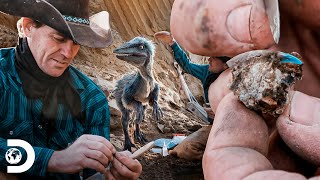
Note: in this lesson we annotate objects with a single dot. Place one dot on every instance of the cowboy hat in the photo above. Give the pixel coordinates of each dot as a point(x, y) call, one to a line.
point(70, 18)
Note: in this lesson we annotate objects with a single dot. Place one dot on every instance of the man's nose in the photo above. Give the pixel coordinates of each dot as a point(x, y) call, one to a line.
point(67, 48)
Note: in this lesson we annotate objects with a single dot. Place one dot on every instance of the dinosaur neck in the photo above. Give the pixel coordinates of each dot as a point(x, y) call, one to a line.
point(146, 71)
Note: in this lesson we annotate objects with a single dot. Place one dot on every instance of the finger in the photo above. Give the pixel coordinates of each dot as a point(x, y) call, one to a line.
point(219, 88)
point(125, 165)
point(109, 175)
point(237, 144)
point(299, 126)
point(161, 33)
point(119, 170)
point(158, 33)
point(233, 163)
point(126, 152)
point(97, 146)
point(98, 156)
point(304, 109)
point(93, 164)
point(275, 174)
point(101, 140)
point(235, 125)
point(115, 173)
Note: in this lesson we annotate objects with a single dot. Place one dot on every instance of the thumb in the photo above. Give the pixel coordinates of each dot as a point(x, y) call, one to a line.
point(299, 126)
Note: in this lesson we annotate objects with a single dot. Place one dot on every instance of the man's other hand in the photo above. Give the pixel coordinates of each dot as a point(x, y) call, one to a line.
point(88, 151)
point(164, 36)
point(124, 167)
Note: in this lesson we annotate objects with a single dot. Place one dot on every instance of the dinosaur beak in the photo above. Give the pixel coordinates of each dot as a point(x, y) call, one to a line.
point(288, 58)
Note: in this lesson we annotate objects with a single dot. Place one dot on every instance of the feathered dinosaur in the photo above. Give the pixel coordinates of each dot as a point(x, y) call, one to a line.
point(135, 90)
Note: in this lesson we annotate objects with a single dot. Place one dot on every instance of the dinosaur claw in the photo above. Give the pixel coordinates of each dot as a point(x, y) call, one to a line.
point(140, 137)
point(288, 58)
point(157, 113)
point(128, 145)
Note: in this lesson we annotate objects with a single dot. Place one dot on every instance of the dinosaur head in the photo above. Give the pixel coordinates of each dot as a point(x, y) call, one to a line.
point(139, 51)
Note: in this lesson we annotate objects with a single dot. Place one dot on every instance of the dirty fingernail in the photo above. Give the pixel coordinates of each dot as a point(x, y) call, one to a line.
point(238, 23)
point(118, 154)
point(113, 151)
point(305, 109)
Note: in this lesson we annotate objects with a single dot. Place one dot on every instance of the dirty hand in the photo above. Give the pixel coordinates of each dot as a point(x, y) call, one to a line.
point(239, 144)
point(164, 36)
point(193, 146)
point(124, 167)
point(212, 28)
point(215, 28)
point(299, 126)
point(209, 111)
point(88, 151)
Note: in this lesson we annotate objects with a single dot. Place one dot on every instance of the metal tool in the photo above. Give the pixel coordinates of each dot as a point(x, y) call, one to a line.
point(193, 106)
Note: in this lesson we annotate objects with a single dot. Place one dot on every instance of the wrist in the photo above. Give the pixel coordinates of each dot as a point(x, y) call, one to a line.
point(53, 164)
point(171, 42)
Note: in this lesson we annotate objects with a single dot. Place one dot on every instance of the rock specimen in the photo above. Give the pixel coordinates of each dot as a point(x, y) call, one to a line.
point(262, 78)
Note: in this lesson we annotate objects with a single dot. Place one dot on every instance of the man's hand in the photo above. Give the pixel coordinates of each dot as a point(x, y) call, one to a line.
point(213, 28)
point(88, 151)
point(209, 111)
point(192, 147)
point(299, 126)
point(239, 144)
point(124, 167)
point(164, 36)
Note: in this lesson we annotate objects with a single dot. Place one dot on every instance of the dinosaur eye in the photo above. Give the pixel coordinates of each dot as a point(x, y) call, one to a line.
point(141, 46)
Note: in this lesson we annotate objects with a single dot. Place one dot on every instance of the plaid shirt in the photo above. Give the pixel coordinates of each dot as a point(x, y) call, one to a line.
point(20, 117)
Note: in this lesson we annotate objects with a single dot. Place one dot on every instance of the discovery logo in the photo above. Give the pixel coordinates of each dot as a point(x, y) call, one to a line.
point(14, 156)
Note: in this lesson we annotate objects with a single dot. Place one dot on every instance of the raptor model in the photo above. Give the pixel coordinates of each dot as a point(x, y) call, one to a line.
point(135, 90)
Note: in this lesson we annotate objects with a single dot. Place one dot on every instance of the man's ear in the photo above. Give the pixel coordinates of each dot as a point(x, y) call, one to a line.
point(26, 26)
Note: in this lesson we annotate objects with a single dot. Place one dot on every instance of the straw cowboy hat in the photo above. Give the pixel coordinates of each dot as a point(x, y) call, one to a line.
point(69, 17)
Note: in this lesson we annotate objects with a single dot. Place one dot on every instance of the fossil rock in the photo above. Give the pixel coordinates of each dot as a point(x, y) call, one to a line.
point(261, 79)
point(8, 37)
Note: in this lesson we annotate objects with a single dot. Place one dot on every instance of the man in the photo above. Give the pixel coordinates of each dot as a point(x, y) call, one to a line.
point(50, 104)
point(239, 145)
point(193, 146)
point(206, 73)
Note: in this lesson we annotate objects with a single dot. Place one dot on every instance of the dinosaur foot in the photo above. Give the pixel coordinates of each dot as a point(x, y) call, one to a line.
point(140, 137)
point(128, 145)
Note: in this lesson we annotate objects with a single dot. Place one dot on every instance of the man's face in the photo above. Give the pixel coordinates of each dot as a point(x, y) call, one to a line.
point(52, 51)
point(216, 65)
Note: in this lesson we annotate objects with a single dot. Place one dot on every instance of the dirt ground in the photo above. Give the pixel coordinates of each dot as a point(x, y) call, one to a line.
point(155, 166)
